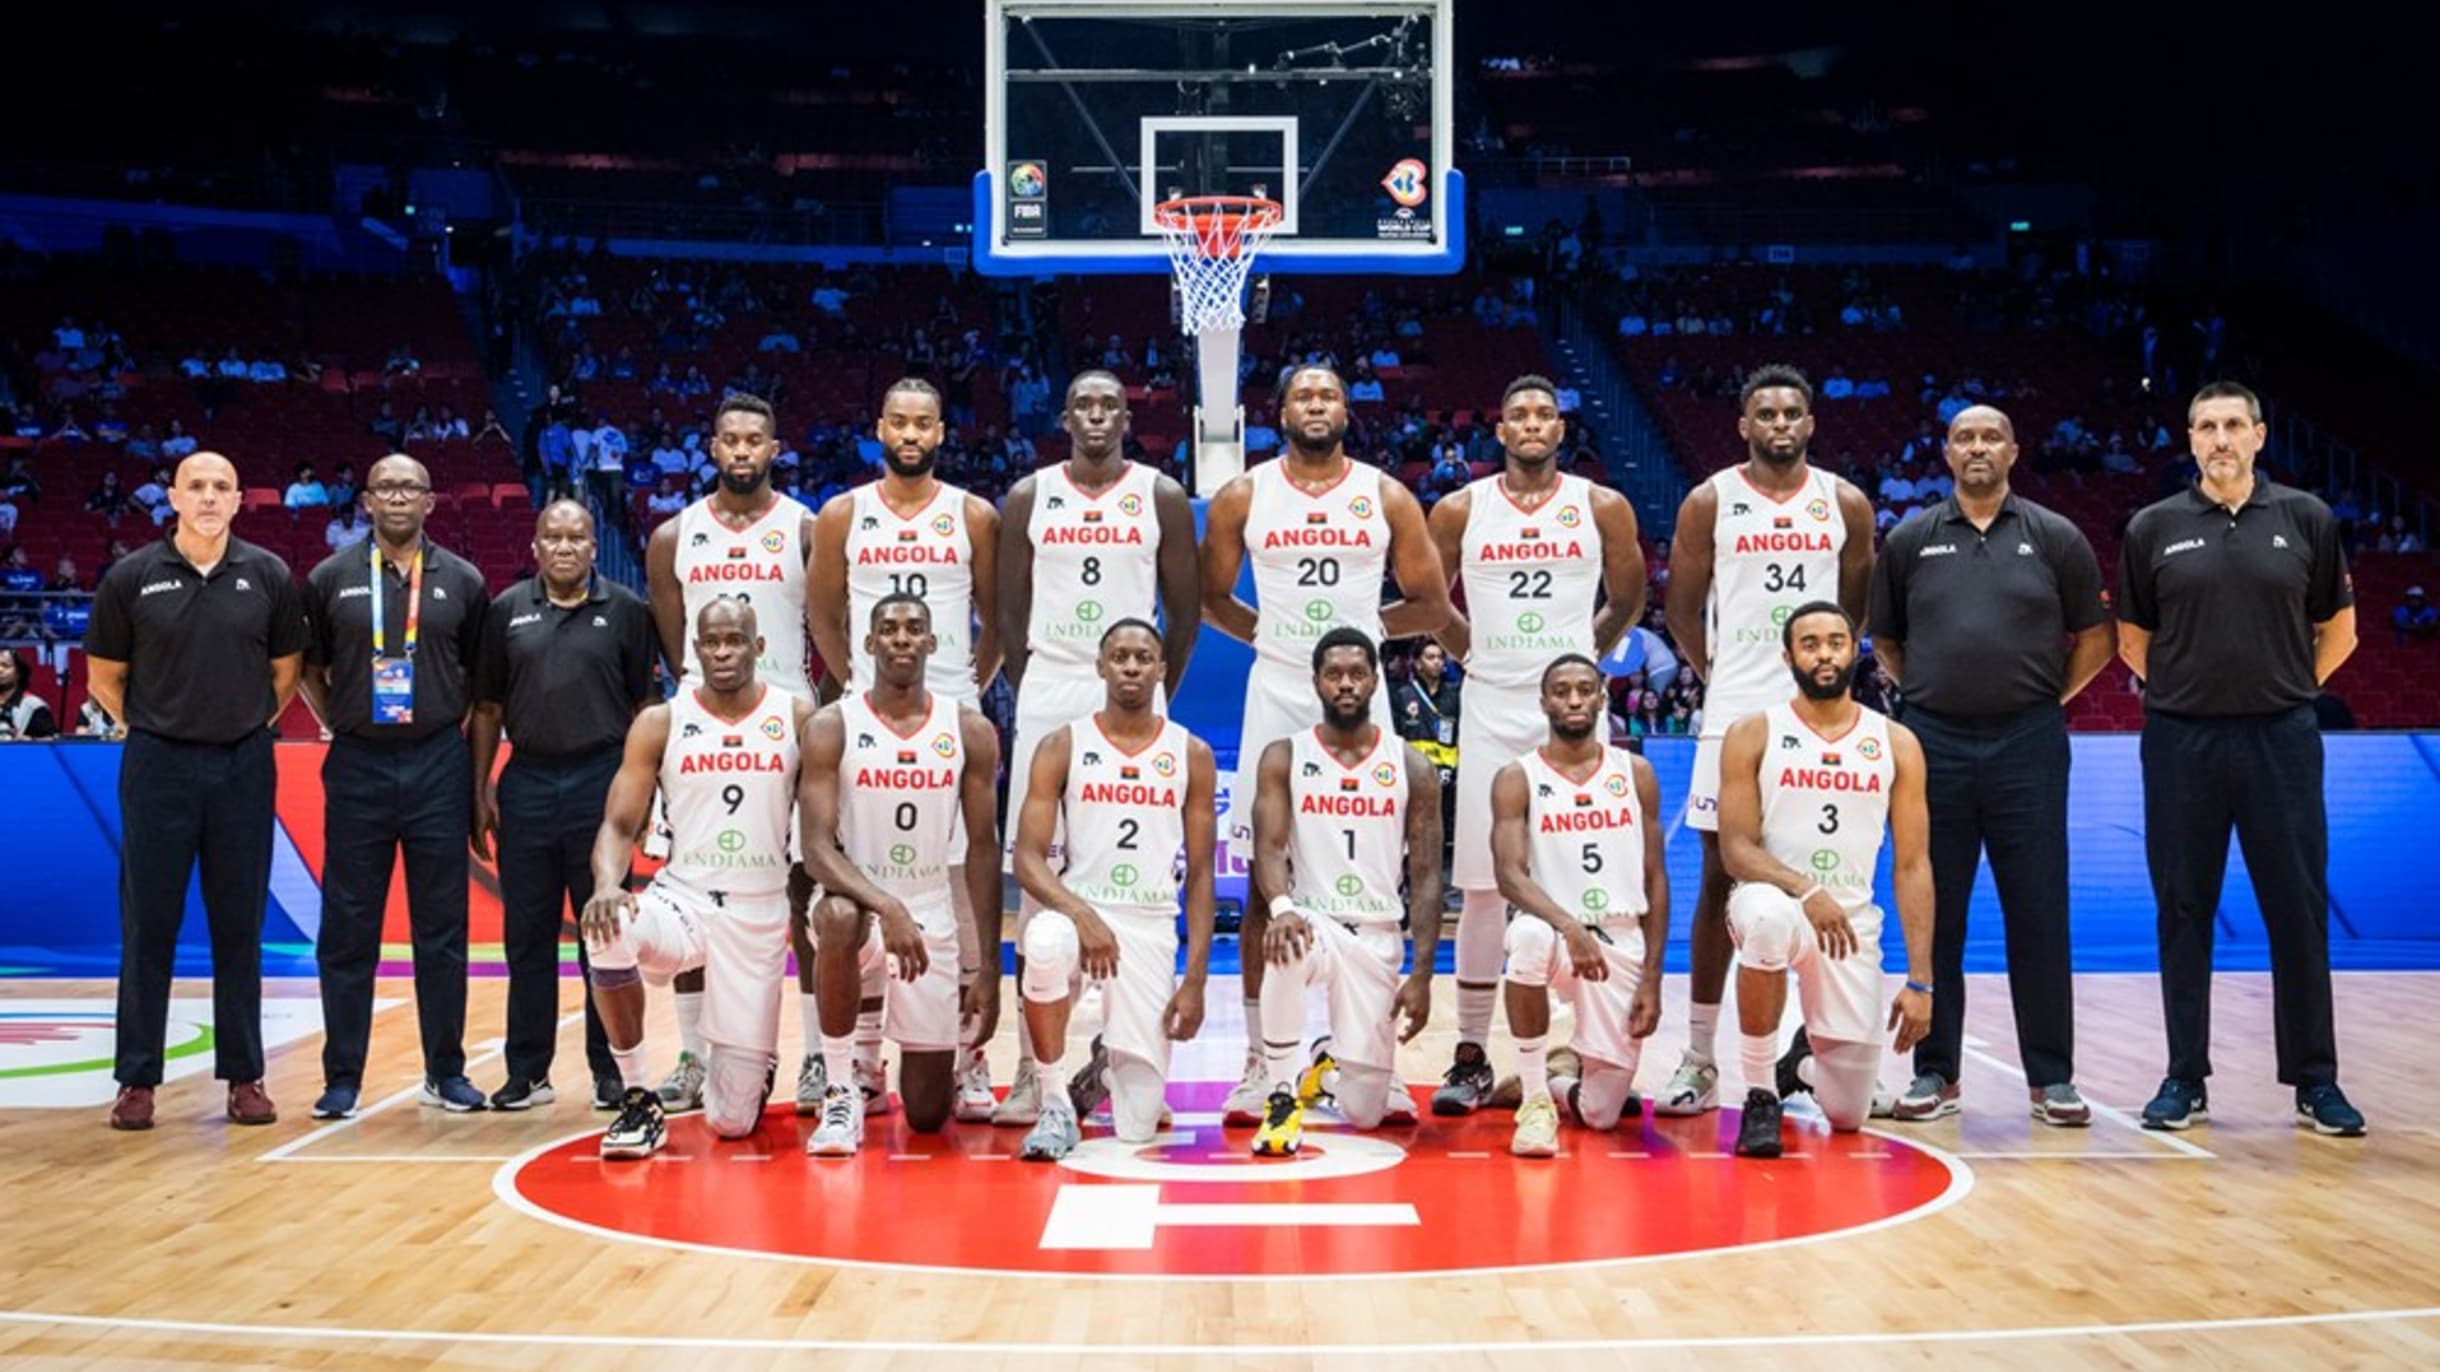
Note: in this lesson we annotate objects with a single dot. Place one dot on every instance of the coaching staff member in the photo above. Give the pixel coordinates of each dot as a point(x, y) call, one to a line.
point(1987, 611)
point(566, 662)
point(396, 622)
point(2234, 606)
point(196, 642)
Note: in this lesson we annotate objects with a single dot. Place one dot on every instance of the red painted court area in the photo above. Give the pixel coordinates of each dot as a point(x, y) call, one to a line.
point(1444, 1196)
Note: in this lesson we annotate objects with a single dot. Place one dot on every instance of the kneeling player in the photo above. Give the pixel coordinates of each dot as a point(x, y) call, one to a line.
point(725, 755)
point(1805, 788)
point(1335, 807)
point(1132, 789)
point(888, 773)
point(1579, 860)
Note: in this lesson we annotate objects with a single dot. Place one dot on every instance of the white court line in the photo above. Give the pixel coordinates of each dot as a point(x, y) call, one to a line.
point(2115, 1155)
point(492, 1048)
point(395, 1157)
point(1071, 1351)
point(2100, 1111)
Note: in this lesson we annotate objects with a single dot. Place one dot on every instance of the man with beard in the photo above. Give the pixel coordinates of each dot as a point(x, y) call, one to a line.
point(397, 626)
point(1753, 542)
point(1987, 611)
point(1534, 548)
point(746, 541)
point(1322, 531)
point(1337, 807)
point(1805, 790)
point(910, 533)
point(1581, 859)
point(1084, 545)
point(1131, 789)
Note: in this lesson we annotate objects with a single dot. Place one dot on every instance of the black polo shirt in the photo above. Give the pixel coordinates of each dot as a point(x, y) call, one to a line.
point(339, 607)
point(1982, 614)
point(198, 648)
point(567, 678)
point(2231, 599)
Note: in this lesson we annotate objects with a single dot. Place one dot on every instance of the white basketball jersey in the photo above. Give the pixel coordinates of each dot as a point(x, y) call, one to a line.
point(1096, 562)
point(1531, 579)
point(730, 789)
point(927, 553)
point(1318, 559)
point(1347, 829)
point(1825, 801)
point(898, 797)
point(1767, 557)
point(1126, 818)
point(764, 564)
point(1587, 835)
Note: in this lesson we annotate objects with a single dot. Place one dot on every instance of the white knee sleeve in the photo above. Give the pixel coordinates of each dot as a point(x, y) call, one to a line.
point(1530, 945)
point(1482, 931)
point(735, 1084)
point(1768, 924)
point(1602, 1096)
point(615, 955)
point(1052, 954)
point(1363, 1094)
point(1844, 1075)
point(1136, 1091)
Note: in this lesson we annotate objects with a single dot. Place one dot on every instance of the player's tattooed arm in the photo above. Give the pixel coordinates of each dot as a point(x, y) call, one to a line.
point(1414, 563)
point(1423, 890)
point(1289, 933)
point(1181, 574)
point(1623, 574)
point(983, 534)
point(1224, 557)
point(1185, 1015)
point(625, 812)
point(1690, 577)
point(1015, 574)
point(817, 802)
point(826, 608)
point(1448, 524)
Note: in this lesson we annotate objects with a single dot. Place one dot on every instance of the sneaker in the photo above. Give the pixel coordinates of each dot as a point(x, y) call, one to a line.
point(1537, 1133)
point(1054, 1134)
point(250, 1104)
point(1089, 1089)
point(1884, 1102)
point(681, 1092)
point(1758, 1129)
point(457, 1095)
point(607, 1092)
point(975, 1101)
point(640, 1129)
point(336, 1103)
point(2180, 1105)
point(2324, 1110)
point(811, 1077)
point(1562, 1061)
point(1248, 1101)
point(841, 1132)
point(1023, 1103)
point(1931, 1097)
point(1467, 1085)
point(1283, 1127)
point(1313, 1084)
point(1787, 1079)
point(1693, 1088)
point(1399, 1111)
point(2058, 1104)
point(133, 1109)
point(519, 1094)
point(873, 1080)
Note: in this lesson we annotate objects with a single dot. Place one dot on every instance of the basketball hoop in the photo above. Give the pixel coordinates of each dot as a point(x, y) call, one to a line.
point(1212, 243)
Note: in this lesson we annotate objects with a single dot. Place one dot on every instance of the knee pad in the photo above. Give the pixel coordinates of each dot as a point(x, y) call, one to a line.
point(735, 1085)
point(617, 956)
point(1363, 1094)
point(1052, 955)
point(1136, 1097)
point(1768, 924)
point(1532, 944)
point(1482, 931)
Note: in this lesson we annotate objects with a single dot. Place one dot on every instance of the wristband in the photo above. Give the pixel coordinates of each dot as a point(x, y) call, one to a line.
point(1282, 906)
point(1918, 987)
point(1808, 893)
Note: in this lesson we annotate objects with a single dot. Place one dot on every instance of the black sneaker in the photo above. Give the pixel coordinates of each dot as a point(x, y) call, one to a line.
point(2179, 1105)
point(520, 1094)
point(2324, 1110)
point(1467, 1084)
point(606, 1092)
point(1789, 1082)
point(1758, 1126)
point(640, 1129)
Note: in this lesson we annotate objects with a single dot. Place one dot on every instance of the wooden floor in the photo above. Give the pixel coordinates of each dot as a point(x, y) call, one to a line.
point(380, 1244)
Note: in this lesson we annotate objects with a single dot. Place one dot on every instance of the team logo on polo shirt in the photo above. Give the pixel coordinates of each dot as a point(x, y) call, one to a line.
point(1819, 509)
point(944, 525)
point(774, 541)
point(774, 728)
point(1616, 785)
point(945, 745)
point(1361, 507)
point(1869, 749)
point(1131, 504)
point(1386, 774)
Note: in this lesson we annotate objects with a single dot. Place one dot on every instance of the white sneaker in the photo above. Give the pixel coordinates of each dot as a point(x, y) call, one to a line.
point(1885, 1102)
point(681, 1092)
point(1692, 1089)
point(1537, 1133)
point(1250, 1100)
point(873, 1079)
point(975, 1102)
point(1400, 1113)
point(1053, 1136)
point(812, 1078)
point(841, 1132)
point(1023, 1103)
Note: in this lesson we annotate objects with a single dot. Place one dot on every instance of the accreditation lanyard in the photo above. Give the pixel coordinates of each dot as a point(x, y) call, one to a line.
point(394, 674)
point(1444, 730)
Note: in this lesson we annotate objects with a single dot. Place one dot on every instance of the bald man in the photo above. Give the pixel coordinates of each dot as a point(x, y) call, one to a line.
point(1987, 612)
point(396, 625)
point(197, 642)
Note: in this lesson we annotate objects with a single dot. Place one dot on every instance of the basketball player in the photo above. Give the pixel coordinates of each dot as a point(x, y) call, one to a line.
point(1581, 860)
point(1322, 531)
point(1336, 807)
point(1103, 536)
point(747, 541)
point(914, 533)
point(1805, 788)
point(1131, 789)
point(1532, 547)
point(889, 771)
point(1753, 542)
point(724, 754)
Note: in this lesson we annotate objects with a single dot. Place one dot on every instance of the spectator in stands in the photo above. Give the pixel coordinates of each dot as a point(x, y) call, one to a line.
point(109, 499)
point(2397, 538)
point(1837, 385)
point(780, 339)
point(666, 501)
point(153, 496)
point(266, 371)
point(109, 428)
point(195, 366)
point(386, 425)
point(8, 516)
point(492, 428)
point(342, 486)
point(19, 483)
point(694, 382)
point(111, 557)
point(623, 366)
point(2415, 619)
point(22, 716)
point(233, 366)
point(68, 430)
point(400, 362)
point(306, 492)
point(144, 444)
point(664, 381)
point(419, 429)
point(64, 576)
point(178, 443)
point(347, 526)
point(1900, 486)
point(1362, 384)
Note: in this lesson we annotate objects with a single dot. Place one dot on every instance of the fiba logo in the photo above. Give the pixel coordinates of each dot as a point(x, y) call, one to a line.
point(774, 541)
point(1027, 181)
point(944, 745)
point(902, 853)
point(1124, 874)
point(1529, 623)
point(1166, 765)
point(1596, 899)
point(1089, 611)
point(1350, 886)
point(1361, 507)
point(1131, 504)
point(1616, 785)
point(1318, 611)
point(1824, 860)
point(732, 841)
point(944, 525)
point(1407, 182)
point(1819, 509)
point(1386, 774)
point(1869, 750)
point(774, 728)
point(1568, 517)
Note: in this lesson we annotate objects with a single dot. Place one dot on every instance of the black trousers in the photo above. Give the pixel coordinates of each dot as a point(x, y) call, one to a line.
point(184, 806)
point(2261, 775)
point(1998, 784)
point(379, 799)
point(550, 812)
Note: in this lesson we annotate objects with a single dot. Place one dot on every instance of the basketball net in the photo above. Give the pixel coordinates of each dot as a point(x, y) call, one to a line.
point(1212, 242)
